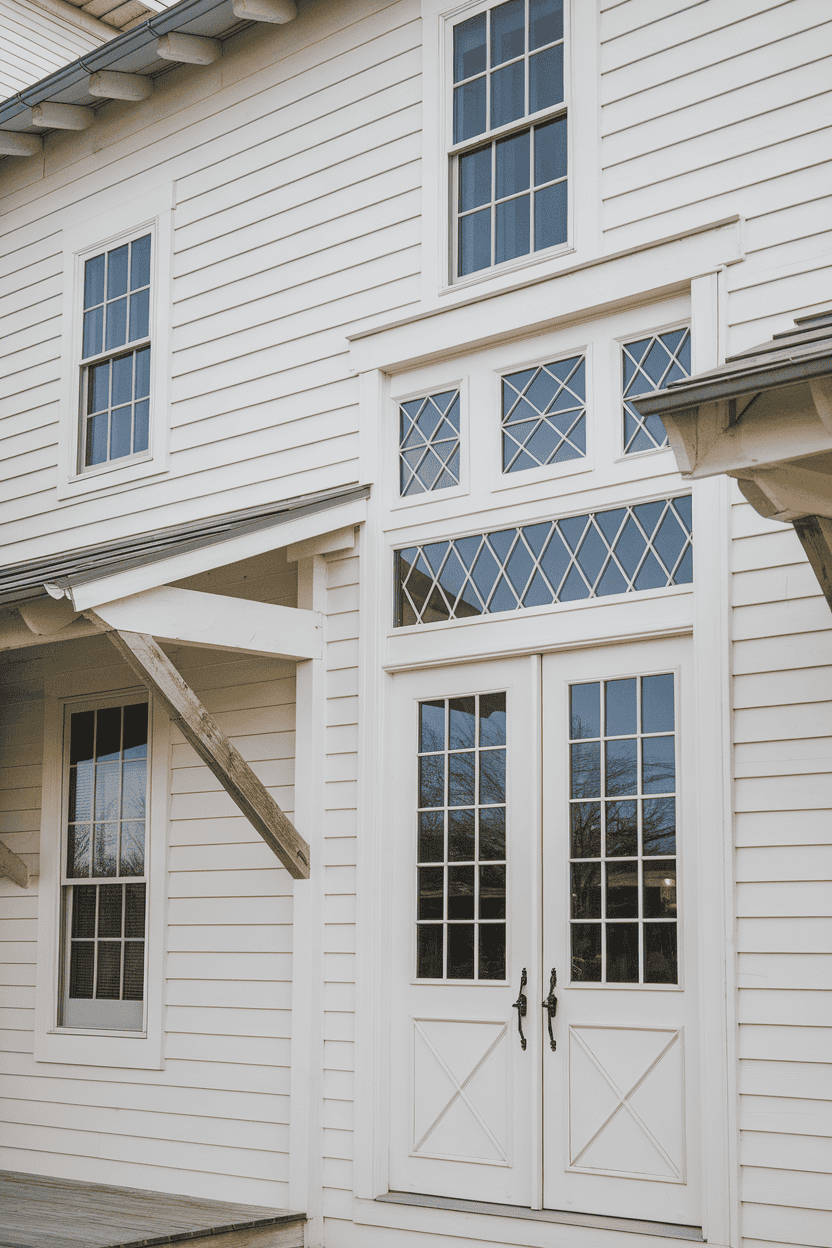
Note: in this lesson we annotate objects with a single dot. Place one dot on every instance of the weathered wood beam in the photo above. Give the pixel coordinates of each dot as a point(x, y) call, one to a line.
point(154, 669)
point(815, 533)
point(217, 621)
point(12, 867)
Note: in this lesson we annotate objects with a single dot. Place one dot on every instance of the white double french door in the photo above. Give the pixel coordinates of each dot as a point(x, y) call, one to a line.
point(543, 1005)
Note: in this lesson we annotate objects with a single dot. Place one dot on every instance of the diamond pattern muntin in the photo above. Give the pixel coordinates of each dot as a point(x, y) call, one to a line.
point(429, 443)
point(651, 364)
point(624, 550)
point(544, 415)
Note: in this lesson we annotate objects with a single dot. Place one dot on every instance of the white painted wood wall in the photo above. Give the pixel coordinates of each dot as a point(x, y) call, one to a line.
point(296, 162)
point(35, 42)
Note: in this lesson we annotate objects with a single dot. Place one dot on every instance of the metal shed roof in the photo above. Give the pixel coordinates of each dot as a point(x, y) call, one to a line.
point(23, 582)
point(792, 356)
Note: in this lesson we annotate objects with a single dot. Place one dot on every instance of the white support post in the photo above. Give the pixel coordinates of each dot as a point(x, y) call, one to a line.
point(306, 1080)
point(712, 666)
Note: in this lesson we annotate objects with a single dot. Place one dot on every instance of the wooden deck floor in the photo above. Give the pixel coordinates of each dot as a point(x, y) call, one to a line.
point(40, 1212)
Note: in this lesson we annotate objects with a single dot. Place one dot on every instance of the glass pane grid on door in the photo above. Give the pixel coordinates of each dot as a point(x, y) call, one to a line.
point(461, 855)
point(622, 824)
point(105, 845)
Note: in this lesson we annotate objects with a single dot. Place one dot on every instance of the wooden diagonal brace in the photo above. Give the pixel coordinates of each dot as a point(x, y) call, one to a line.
point(12, 867)
point(155, 670)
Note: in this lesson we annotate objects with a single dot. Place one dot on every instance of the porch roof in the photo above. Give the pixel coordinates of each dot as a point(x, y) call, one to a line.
point(42, 1212)
point(23, 582)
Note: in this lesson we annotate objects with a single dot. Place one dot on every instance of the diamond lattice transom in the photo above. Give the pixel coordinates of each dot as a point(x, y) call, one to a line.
point(544, 415)
point(429, 443)
point(651, 364)
point(624, 550)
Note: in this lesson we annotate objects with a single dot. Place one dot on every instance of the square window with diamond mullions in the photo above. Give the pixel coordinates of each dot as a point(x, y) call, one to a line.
point(650, 364)
point(429, 443)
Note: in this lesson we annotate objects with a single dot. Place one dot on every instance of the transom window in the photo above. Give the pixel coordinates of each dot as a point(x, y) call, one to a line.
point(622, 812)
point(650, 364)
point(623, 550)
point(115, 373)
point(429, 443)
point(461, 889)
point(544, 415)
point(510, 193)
point(104, 879)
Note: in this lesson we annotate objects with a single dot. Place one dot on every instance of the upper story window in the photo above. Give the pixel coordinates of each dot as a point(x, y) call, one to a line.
point(509, 192)
point(115, 368)
point(544, 414)
point(429, 443)
point(650, 364)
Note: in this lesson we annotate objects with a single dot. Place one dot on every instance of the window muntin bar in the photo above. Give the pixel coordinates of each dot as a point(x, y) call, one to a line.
point(115, 381)
point(622, 826)
point(544, 414)
point(429, 443)
point(650, 364)
point(104, 879)
point(624, 550)
point(461, 839)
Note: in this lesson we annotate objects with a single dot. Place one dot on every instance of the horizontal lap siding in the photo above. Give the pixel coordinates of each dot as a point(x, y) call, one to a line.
point(710, 110)
point(34, 43)
point(783, 866)
point(215, 1121)
point(296, 165)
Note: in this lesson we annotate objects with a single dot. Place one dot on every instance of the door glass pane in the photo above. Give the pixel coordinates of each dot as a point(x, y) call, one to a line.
point(622, 838)
point(461, 905)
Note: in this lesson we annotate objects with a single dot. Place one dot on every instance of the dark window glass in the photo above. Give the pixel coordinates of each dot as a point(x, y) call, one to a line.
point(660, 957)
point(622, 953)
point(586, 953)
point(460, 951)
point(81, 965)
point(429, 951)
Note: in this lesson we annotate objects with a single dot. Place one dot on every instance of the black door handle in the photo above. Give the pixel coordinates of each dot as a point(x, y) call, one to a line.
point(521, 1006)
point(551, 1006)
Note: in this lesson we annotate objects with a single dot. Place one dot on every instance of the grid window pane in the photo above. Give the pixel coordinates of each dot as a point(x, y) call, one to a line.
point(650, 364)
point(619, 881)
point(106, 838)
point(461, 879)
point(589, 556)
point(508, 64)
point(114, 392)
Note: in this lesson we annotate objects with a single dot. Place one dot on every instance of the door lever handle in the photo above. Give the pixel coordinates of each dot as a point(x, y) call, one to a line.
point(521, 1006)
point(551, 1006)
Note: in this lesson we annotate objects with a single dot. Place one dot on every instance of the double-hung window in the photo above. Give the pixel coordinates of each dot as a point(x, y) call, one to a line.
point(509, 144)
point(104, 868)
point(115, 355)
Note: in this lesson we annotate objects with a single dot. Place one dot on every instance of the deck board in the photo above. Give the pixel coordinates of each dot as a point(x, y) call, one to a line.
point(38, 1211)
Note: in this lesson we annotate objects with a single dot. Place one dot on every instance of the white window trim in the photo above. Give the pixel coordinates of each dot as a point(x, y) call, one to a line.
point(151, 213)
point(395, 501)
point(581, 89)
point(93, 1047)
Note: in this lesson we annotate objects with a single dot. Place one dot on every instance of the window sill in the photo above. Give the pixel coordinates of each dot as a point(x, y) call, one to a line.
point(551, 258)
point(111, 478)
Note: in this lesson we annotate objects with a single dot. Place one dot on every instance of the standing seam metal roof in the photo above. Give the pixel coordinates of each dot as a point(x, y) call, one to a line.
point(23, 582)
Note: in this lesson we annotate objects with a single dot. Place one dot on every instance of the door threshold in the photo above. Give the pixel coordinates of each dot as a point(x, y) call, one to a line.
point(601, 1222)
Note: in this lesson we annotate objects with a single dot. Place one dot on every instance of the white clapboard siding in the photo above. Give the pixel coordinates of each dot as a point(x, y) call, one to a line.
point(215, 1121)
point(35, 42)
point(296, 163)
point(782, 695)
